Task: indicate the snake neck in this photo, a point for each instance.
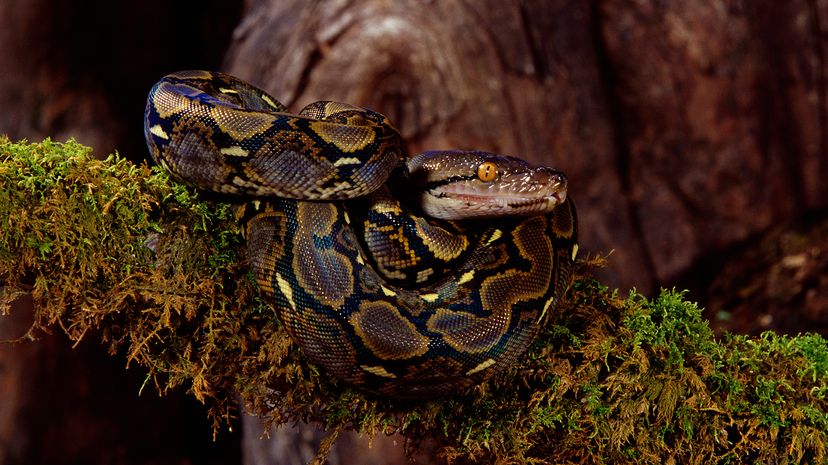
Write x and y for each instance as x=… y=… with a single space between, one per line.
x=409 y=247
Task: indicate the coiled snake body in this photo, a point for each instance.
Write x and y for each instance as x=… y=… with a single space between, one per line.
x=345 y=242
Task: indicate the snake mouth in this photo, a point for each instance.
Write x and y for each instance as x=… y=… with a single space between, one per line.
x=554 y=199
x=454 y=204
x=504 y=202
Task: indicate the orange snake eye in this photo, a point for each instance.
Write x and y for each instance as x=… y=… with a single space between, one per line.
x=487 y=171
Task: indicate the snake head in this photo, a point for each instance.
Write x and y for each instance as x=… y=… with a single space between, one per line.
x=455 y=185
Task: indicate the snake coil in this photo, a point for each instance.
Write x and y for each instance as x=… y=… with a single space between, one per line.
x=380 y=295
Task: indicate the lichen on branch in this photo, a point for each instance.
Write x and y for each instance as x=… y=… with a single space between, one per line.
x=120 y=252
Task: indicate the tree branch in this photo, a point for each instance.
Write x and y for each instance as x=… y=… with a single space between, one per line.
x=157 y=270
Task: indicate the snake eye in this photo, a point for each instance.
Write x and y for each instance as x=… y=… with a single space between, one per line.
x=487 y=171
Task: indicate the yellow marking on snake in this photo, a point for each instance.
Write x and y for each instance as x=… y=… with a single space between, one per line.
x=269 y=101
x=225 y=90
x=342 y=185
x=387 y=291
x=234 y=151
x=347 y=161
x=394 y=274
x=495 y=236
x=158 y=131
x=466 y=277
x=574 y=251
x=482 y=366
x=423 y=275
x=430 y=297
x=546 y=307
x=386 y=208
x=237 y=181
x=286 y=290
x=378 y=370
x=346 y=217
x=359 y=259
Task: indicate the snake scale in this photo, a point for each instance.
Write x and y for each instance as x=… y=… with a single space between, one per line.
x=406 y=277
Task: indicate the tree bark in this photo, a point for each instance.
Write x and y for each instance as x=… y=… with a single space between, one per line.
x=724 y=119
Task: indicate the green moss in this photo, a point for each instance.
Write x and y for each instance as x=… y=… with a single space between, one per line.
x=159 y=273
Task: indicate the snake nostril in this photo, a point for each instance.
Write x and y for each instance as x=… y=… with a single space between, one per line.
x=557 y=178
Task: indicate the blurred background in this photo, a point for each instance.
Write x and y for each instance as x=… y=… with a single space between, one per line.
x=693 y=134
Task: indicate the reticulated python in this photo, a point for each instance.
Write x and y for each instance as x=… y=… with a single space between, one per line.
x=346 y=241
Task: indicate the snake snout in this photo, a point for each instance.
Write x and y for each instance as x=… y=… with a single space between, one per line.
x=558 y=186
x=556 y=181
x=541 y=181
x=556 y=178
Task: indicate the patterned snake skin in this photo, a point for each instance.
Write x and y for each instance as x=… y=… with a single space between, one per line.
x=406 y=278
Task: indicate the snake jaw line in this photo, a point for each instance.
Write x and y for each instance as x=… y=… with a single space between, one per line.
x=460 y=206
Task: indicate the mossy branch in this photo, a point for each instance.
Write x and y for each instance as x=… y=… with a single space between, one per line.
x=159 y=273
